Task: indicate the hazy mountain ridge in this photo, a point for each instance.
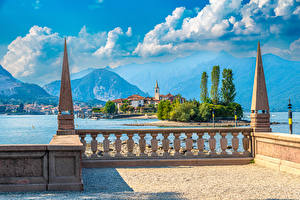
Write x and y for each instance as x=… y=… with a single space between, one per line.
x=12 y=89
x=100 y=84
x=183 y=76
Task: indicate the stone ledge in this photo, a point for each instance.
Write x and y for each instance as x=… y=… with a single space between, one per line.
x=278 y=164
x=278 y=136
x=22 y=188
x=165 y=162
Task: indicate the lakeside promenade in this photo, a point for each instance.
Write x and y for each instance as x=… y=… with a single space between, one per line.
x=177 y=183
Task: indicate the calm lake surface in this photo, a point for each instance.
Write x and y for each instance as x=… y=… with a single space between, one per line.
x=39 y=129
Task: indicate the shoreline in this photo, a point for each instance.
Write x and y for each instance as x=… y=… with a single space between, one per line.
x=161 y=123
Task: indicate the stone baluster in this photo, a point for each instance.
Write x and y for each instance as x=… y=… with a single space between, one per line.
x=223 y=142
x=130 y=145
x=106 y=143
x=165 y=144
x=189 y=144
x=94 y=145
x=118 y=145
x=200 y=144
x=177 y=144
x=246 y=145
x=154 y=145
x=235 y=143
x=142 y=144
x=82 y=140
x=212 y=143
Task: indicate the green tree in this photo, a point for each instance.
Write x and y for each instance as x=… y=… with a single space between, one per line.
x=124 y=107
x=110 y=107
x=215 y=79
x=163 y=110
x=204 y=112
x=203 y=88
x=20 y=109
x=228 y=88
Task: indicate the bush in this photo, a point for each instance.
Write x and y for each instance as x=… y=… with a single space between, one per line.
x=204 y=112
x=185 y=112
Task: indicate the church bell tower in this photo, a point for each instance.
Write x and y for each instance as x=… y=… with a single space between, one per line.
x=156 y=91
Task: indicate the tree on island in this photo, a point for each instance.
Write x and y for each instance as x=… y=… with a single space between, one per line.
x=228 y=88
x=110 y=107
x=215 y=79
x=203 y=88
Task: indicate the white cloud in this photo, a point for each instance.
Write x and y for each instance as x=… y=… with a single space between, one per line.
x=37 y=57
x=220 y=25
x=226 y=21
x=284 y=7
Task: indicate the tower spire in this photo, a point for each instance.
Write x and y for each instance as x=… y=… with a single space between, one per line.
x=156 y=91
x=260 y=116
x=65 y=107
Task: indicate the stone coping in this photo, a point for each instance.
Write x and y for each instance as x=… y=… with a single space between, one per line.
x=58 y=142
x=163 y=130
x=278 y=136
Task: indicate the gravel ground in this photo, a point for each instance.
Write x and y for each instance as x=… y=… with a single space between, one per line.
x=203 y=182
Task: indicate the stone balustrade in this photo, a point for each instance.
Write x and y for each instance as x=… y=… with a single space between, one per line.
x=176 y=143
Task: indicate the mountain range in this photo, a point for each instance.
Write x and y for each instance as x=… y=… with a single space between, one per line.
x=180 y=76
x=13 y=90
x=183 y=76
x=100 y=84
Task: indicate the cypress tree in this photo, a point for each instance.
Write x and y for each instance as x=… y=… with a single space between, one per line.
x=215 y=79
x=203 y=88
x=228 y=87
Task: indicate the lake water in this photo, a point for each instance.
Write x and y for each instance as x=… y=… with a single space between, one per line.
x=39 y=129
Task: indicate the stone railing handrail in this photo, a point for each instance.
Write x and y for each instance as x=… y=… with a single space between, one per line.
x=164 y=130
x=183 y=143
x=278 y=136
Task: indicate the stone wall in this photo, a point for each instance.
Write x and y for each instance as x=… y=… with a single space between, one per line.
x=278 y=151
x=56 y=166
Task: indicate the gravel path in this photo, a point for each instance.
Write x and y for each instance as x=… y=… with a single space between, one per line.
x=203 y=182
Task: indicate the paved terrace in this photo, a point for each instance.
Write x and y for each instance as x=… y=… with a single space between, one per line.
x=201 y=182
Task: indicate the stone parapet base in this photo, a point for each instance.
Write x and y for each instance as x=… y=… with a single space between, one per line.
x=165 y=162
x=278 y=164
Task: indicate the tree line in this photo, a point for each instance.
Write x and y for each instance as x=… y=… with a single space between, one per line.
x=220 y=101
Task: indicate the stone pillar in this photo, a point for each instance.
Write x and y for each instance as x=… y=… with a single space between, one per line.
x=260 y=115
x=65 y=109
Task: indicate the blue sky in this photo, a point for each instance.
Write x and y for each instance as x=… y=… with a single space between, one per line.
x=117 y=32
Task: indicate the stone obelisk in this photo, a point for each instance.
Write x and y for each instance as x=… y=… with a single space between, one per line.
x=260 y=115
x=65 y=115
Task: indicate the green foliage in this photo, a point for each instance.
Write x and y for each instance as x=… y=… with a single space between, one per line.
x=20 y=109
x=215 y=79
x=228 y=88
x=163 y=110
x=204 y=112
x=203 y=88
x=110 y=107
x=124 y=107
x=97 y=110
x=187 y=111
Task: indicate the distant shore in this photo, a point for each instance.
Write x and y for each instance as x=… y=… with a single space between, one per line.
x=161 y=123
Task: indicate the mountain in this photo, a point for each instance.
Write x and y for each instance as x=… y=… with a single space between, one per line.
x=13 y=90
x=183 y=75
x=81 y=74
x=100 y=84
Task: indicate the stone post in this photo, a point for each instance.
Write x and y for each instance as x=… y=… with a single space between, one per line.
x=65 y=115
x=260 y=115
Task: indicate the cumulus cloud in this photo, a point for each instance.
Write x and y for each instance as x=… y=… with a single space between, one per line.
x=226 y=25
x=221 y=21
x=37 y=57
